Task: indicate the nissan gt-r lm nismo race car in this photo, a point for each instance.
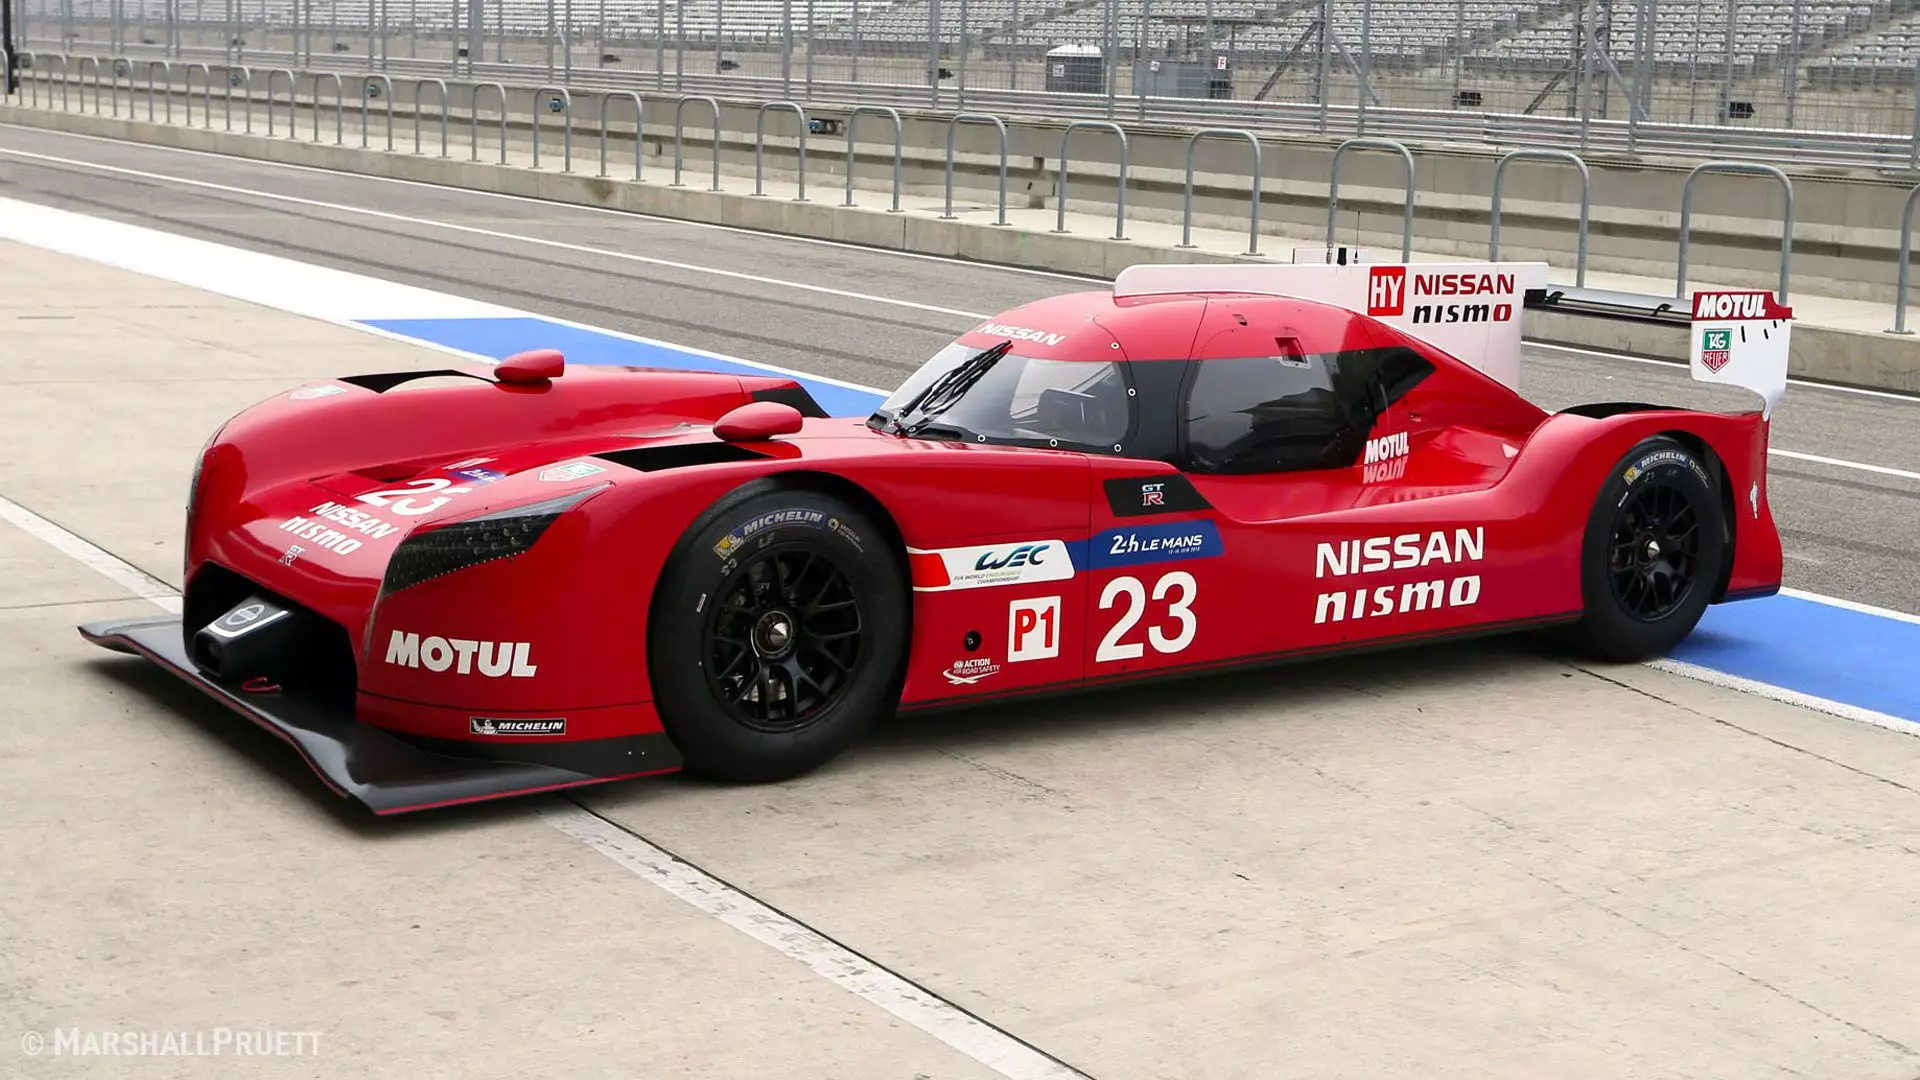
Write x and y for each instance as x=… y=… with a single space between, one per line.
x=457 y=585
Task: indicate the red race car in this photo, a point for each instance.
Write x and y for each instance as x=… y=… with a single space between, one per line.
x=458 y=585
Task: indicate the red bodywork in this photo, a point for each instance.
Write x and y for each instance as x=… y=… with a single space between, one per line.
x=1476 y=526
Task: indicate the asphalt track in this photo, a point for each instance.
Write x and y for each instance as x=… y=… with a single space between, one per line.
x=1471 y=861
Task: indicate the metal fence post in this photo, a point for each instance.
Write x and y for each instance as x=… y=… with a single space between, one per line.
x=386 y=94
x=419 y=88
x=246 y=91
x=639 y=112
x=565 y=101
x=1333 y=189
x=206 y=92
x=1586 y=204
x=1686 y=217
x=1906 y=254
x=1001 y=127
x=1120 y=190
x=891 y=114
x=293 y=96
x=339 y=107
x=759 y=144
x=167 y=93
x=1253 y=216
x=473 y=119
x=679 y=132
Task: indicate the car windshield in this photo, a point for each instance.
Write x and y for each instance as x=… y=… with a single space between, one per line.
x=1020 y=400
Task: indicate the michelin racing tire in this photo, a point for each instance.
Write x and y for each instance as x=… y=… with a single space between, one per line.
x=1652 y=555
x=778 y=632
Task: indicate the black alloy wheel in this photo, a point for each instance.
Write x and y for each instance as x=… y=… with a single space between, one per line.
x=1656 y=552
x=1653 y=554
x=778 y=632
x=784 y=638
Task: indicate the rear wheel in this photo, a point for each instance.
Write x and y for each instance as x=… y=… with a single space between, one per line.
x=778 y=629
x=1653 y=551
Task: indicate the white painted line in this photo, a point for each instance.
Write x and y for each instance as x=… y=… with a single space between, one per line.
x=737 y=230
x=268 y=280
x=1888 y=395
x=496 y=234
x=1853 y=605
x=1784 y=696
x=1842 y=463
x=95 y=558
x=837 y=964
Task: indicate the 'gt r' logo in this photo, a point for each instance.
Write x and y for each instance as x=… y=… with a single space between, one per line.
x=1153 y=495
x=1387 y=291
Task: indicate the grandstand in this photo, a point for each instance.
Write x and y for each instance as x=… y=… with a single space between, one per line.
x=1515 y=46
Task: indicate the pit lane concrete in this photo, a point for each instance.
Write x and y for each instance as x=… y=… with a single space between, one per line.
x=1463 y=861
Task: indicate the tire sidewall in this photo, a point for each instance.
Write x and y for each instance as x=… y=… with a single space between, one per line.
x=753 y=518
x=1606 y=624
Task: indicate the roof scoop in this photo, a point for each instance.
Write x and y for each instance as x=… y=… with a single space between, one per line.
x=530 y=367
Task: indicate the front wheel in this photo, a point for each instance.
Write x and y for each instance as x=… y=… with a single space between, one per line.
x=778 y=628
x=1652 y=554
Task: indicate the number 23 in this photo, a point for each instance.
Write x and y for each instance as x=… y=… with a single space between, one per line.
x=411 y=507
x=1112 y=648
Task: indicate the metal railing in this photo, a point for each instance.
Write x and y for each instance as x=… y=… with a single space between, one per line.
x=1586 y=204
x=367 y=94
x=1253 y=203
x=760 y=144
x=1686 y=218
x=1120 y=184
x=473 y=119
x=853 y=118
x=953 y=126
x=1333 y=188
x=564 y=101
x=1906 y=262
x=419 y=90
x=679 y=135
x=639 y=129
x=162 y=75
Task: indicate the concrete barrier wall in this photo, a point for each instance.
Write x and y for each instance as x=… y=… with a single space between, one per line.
x=1845 y=243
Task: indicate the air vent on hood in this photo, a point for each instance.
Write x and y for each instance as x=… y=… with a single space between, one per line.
x=680 y=455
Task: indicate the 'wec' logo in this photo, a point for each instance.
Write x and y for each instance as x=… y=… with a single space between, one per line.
x=1024 y=555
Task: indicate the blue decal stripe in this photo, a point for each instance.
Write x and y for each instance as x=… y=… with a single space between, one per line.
x=1825 y=651
x=1831 y=652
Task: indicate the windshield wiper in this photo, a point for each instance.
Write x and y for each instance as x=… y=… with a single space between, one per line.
x=941 y=394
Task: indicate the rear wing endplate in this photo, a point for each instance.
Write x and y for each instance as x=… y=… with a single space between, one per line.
x=1739 y=338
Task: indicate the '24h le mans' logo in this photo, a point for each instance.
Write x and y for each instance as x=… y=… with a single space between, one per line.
x=1715 y=349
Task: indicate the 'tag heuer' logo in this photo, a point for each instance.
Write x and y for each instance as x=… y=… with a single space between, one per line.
x=1716 y=349
x=1386 y=291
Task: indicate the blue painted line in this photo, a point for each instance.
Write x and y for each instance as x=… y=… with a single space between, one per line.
x=501 y=338
x=1846 y=656
x=1852 y=657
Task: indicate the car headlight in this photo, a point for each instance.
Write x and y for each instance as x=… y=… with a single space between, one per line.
x=442 y=550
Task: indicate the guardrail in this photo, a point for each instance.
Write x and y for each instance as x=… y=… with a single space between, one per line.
x=1786 y=227
x=1333 y=188
x=1906 y=262
x=164 y=77
x=1634 y=134
x=1586 y=204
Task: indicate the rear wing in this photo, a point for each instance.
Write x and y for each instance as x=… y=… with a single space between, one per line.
x=1473 y=311
x=1739 y=338
x=1469 y=310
